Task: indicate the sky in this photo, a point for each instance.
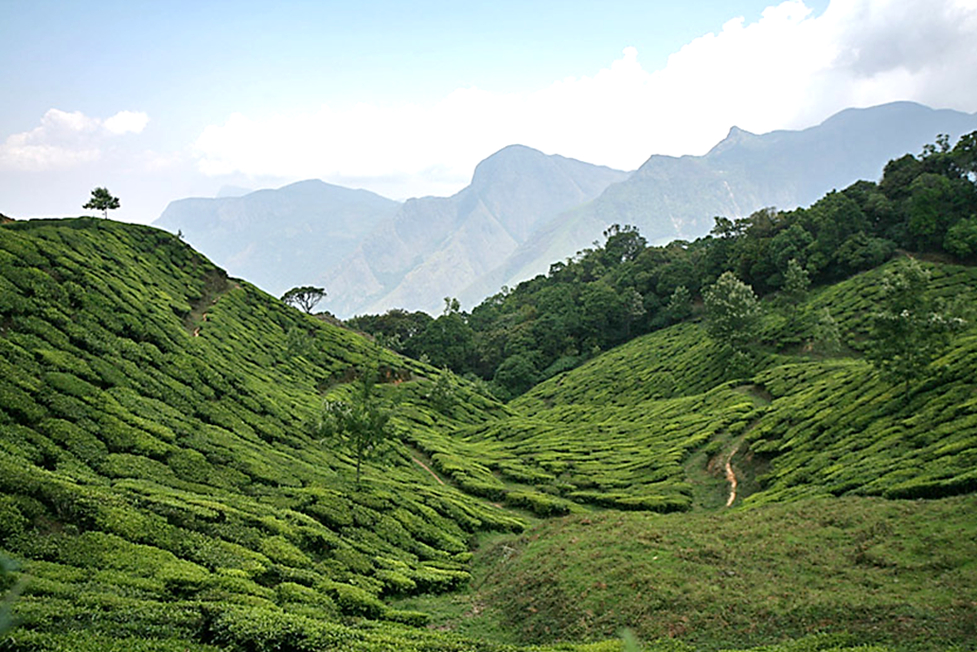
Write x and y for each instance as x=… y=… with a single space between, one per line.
x=158 y=101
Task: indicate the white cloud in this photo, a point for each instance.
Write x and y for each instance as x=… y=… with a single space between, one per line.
x=64 y=140
x=125 y=122
x=789 y=69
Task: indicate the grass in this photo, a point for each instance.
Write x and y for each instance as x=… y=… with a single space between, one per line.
x=894 y=573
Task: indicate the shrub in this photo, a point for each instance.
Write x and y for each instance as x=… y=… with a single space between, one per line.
x=354 y=601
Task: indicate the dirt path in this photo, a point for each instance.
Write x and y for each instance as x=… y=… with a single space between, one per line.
x=731 y=476
x=198 y=309
x=196 y=331
x=428 y=469
x=414 y=453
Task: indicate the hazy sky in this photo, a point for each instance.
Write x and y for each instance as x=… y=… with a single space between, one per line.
x=159 y=100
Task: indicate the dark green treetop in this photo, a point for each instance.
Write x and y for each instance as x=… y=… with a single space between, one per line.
x=732 y=311
x=305 y=297
x=102 y=200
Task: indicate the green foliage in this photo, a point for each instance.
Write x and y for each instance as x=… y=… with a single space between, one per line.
x=442 y=394
x=732 y=312
x=961 y=238
x=102 y=200
x=305 y=297
x=608 y=294
x=160 y=479
x=751 y=578
x=360 y=427
x=10 y=590
x=155 y=449
x=797 y=282
x=679 y=304
x=910 y=329
x=826 y=337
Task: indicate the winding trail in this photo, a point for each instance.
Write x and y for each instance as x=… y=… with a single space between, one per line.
x=731 y=476
x=428 y=469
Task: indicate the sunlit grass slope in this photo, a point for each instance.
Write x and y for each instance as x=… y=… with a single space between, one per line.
x=157 y=476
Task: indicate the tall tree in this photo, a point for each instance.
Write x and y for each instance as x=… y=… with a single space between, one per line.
x=796 y=284
x=359 y=427
x=732 y=312
x=13 y=590
x=911 y=328
x=102 y=200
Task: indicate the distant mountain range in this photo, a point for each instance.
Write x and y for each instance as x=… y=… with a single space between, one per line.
x=278 y=239
x=671 y=198
x=525 y=210
x=437 y=246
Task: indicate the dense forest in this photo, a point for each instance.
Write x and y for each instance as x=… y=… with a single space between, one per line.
x=608 y=294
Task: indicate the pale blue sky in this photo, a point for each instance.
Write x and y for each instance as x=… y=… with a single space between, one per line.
x=405 y=97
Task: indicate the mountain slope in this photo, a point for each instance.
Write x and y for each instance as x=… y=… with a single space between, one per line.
x=436 y=246
x=159 y=478
x=281 y=238
x=671 y=198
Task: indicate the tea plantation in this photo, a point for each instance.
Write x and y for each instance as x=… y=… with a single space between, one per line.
x=162 y=486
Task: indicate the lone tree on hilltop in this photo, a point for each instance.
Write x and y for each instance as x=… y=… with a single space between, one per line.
x=305 y=297
x=102 y=200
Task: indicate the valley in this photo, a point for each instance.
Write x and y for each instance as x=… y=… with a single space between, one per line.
x=166 y=482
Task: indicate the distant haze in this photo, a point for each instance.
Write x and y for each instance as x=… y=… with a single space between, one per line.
x=525 y=210
x=404 y=99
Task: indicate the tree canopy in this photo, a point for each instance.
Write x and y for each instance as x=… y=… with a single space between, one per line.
x=911 y=327
x=305 y=297
x=732 y=310
x=102 y=200
x=359 y=427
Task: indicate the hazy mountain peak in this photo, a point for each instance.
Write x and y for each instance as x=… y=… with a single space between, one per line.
x=735 y=138
x=436 y=247
x=510 y=160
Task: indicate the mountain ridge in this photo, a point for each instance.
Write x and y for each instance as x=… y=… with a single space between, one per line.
x=274 y=237
x=435 y=246
x=671 y=197
x=524 y=210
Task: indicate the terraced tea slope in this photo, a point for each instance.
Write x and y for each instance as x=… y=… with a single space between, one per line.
x=159 y=482
x=622 y=430
x=156 y=475
x=650 y=425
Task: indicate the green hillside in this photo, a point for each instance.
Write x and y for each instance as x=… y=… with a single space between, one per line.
x=163 y=488
x=653 y=424
x=622 y=431
x=157 y=476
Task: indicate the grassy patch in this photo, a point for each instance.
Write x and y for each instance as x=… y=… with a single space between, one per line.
x=899 y=574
